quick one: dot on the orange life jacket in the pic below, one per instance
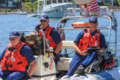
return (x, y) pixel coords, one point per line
(13, 60)
(89, 40)
(47, 35)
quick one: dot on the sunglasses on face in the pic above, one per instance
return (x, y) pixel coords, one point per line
(11, 39)
(42, 20)
(93, 22)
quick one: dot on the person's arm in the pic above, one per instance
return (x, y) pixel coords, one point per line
(28, 53)
(102, 45)
(101, 51)
(32, 68)
(76, 48)
(2, 54)
(58, 47)
(56, 37)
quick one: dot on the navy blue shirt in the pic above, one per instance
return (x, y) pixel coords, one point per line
(25, 51)
(55, 35)
(80, 35)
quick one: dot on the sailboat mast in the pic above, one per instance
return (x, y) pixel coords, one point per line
(38, 7)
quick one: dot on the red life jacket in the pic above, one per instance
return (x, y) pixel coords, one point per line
(13, 60)
(47, 35)
(89, 40)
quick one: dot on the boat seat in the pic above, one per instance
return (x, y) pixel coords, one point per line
(63, 64)
(67, 44)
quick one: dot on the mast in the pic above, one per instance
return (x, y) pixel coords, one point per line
(38, 7)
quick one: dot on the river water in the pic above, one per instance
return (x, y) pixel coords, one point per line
(11, 22)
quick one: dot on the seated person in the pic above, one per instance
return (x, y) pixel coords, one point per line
(88, 37)
(15, 59)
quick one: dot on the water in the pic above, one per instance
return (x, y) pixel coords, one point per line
(11, 22)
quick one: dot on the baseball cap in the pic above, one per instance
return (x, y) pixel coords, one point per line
(44, 17)
(93, 18)
(14, 34)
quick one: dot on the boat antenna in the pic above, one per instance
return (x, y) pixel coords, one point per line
(112, 10)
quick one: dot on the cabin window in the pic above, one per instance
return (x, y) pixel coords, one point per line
(48, 2)
(65, 0)
(60, 1)
(54, 1)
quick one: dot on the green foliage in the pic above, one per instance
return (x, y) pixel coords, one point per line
(29, 3)
(107, 4)
(118, 2)
(29, 10)
(72, 2)
(8, 10)
(25, 0)
(17, 0)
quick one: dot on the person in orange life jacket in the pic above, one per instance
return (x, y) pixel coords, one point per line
(52, 34)
(15, 59)
(81, 59)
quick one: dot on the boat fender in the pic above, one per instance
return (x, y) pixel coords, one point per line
(63, 36)
(80, 24)
(109, 63)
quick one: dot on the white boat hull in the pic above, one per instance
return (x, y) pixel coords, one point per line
(57, 11)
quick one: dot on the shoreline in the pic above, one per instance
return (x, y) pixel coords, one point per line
(115, 8)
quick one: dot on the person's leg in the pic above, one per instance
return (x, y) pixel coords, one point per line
(16, 75)
(73, 66)
(2, 75)
(89, 59)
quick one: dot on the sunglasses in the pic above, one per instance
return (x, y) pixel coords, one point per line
(11, 39)
(42, 20)
(93, 22)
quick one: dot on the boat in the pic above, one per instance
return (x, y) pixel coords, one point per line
(53, 8)
(46, 68)
(22, 12)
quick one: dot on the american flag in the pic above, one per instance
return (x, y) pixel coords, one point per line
(93, 6)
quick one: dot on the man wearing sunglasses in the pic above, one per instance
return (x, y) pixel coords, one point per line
(82, 58)
(15, 59)
(51, 34)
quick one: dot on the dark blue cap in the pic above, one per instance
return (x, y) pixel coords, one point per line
(44, 17)
(93, 18)
(14, 34)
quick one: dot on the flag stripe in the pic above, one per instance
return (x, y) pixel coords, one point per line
(93, 6)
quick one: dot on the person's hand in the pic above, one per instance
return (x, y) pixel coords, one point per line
(54, 54)
(37, 27)
(26, 77)
(84, 53)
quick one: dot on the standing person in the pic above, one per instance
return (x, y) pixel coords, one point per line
(52, 35)
(15, 59)
(89, 37)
